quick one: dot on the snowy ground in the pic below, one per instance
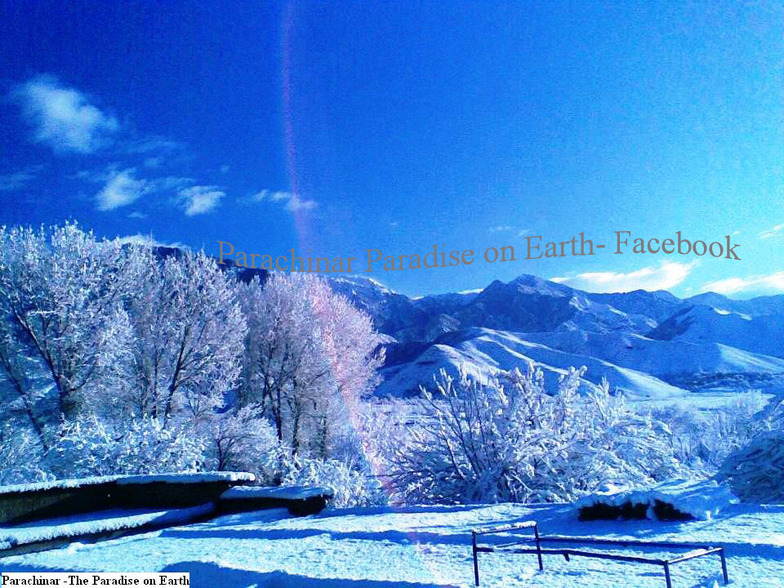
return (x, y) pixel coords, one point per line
(420, 547)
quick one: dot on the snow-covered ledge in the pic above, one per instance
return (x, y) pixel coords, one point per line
(283, 492)
(676, 500)
(172, 478)
(300, 500)
(27, 502)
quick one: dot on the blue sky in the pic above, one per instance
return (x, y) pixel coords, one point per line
(336, 127)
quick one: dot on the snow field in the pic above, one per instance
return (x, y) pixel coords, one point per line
(423, 547)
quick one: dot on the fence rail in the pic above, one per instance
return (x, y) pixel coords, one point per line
(515, 547)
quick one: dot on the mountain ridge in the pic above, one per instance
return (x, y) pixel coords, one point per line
(650, 342)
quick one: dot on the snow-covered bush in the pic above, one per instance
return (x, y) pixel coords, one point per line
(20, 457)
(93, 447)
(755, 472)
(702, 440)
(350, 485)
(508, 440)
(244, 441)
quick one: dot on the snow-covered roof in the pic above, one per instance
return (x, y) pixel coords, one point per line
(67, 483)
(101, 522)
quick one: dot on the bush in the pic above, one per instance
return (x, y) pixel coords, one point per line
(703, 440)
(351, 486)
(508, 440)
(755, 472)
(20, 456)
(243, 440)
(142, 446)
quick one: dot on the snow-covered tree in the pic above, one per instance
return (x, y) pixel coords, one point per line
(60, 292)
(22, 394)
(108, 332)
(188, 338)
(310, 356)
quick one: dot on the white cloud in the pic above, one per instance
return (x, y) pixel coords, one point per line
(63, 118)
(292, 202)
(269, 195)
(777, 231)
(17, 180)
(666, 276)
(770, 282)
(200, 199)
(121, 189)
(296, 203)
(171, 183)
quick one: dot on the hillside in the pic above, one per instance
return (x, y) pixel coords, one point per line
(648, 344)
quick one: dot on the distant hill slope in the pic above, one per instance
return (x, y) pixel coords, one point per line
(708, 324)
(483, 352)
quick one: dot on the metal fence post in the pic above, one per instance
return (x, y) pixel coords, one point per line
(476, 561)
(538, 548)
(667, 574)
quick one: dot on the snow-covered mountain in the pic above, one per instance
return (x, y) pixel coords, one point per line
(706, 324)
(657, 305)
(649, 344)
(483, 352)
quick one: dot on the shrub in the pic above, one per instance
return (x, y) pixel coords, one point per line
(243, 440)
(755, 472)
(351, 486)
(508, 440)
(20, 456)
(95, 447)
(702, 440)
